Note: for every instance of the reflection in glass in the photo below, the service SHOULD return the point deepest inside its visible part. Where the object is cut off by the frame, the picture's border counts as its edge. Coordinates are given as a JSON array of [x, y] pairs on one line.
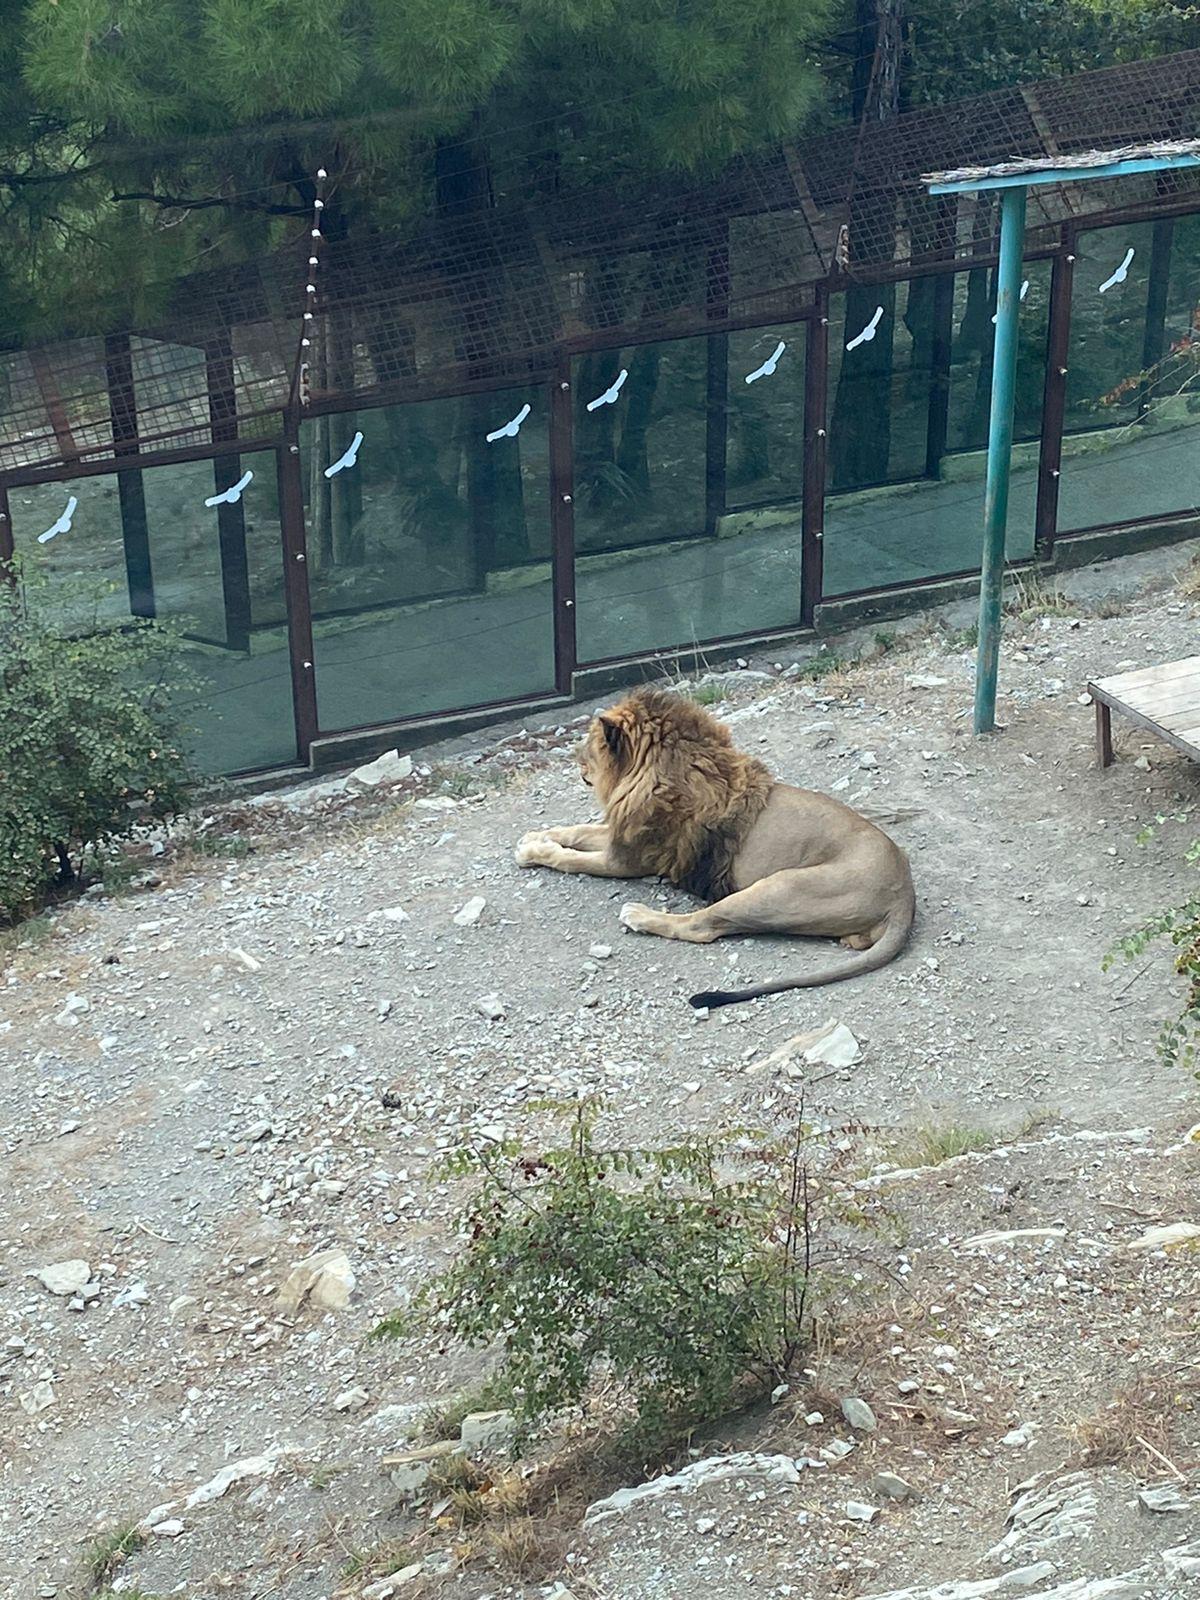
[[1133, 384], [149, 546], [429, 557]]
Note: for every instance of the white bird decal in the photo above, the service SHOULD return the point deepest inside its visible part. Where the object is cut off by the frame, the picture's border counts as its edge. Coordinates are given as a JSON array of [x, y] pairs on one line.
[[63, 525], [511, 429], [868, 332], [609, 397], [768, 366], [1021, 296], [347, 460], [231, 496], [1120, 274]]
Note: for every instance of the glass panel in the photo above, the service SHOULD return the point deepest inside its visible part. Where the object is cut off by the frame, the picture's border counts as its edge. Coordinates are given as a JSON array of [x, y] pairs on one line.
[[1132, 385], [925, 410], [164, 556], [647, 575], [429, 557], [765, 443]]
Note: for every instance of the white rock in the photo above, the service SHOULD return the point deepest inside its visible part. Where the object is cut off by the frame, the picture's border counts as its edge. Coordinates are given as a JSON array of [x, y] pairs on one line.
[[180, 1304], [859, 1511], [245, 959], [384, 1588], [893, 1487], [1019, 1436], [925, 680], [831, 1046], [248, 1467], [1171, 1236], [170, 1529], [390, 767], [487, 1430], [859, 1414], [1183, 1561], [776, 1469], [134, 1294], [814, 1419], [1164, 1497], [76, 1005], [467, 916], [325, 1280], [39, 1398], [410, 1471], [600, 952], [65, 1277], [491, 1007], [351, 1399], [395, 914]]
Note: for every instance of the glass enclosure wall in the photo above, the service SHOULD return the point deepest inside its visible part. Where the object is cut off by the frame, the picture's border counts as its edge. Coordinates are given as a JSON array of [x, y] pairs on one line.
[[143, 543], [682, 435], [429, 556], [909, 394], [1132, 388]]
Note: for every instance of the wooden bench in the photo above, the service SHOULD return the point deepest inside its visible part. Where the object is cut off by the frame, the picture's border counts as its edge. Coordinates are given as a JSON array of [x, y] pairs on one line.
[[1164, 700]]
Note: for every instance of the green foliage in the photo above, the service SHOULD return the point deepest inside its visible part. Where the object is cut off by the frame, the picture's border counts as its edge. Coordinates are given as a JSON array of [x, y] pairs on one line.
[[674, 1278], [89, 743], [1180, 927], [106, 1555]]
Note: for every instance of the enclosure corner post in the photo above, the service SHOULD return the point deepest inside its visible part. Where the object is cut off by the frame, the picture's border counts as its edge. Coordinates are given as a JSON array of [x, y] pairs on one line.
[[296, 590], [562, 523], [999, 461], [7, 573], [1054, 396]]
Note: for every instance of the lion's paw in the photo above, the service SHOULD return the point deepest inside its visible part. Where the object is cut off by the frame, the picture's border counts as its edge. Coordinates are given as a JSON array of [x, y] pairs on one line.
[[637, 918], [531, 849]]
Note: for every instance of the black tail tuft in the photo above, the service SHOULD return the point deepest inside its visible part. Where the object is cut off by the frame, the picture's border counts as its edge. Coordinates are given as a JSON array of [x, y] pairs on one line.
[[712, 998]]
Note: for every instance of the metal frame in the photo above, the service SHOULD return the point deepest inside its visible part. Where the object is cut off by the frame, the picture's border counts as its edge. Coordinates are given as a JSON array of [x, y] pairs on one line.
[[134, 454]]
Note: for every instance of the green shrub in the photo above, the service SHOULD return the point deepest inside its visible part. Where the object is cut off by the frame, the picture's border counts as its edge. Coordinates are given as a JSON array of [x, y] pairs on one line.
[[89, 743], [652, 1266], [1180, 925]]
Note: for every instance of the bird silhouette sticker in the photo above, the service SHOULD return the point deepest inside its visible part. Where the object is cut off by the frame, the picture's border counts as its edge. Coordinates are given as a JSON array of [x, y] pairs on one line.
[[347, 460], [868, 332], [510, 430], [768, 366], [1021, 296], [1119, 275], [63, 525], [231, 496], [609, 397]]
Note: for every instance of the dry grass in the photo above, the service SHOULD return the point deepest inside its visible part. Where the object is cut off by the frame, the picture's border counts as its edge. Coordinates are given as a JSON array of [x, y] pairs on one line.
[[526, 1549], [1189, 580], [1033, 597], [1133, 1430]]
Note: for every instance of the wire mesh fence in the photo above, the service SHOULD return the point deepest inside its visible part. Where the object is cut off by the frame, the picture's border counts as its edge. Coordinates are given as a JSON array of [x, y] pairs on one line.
[[481, 299]]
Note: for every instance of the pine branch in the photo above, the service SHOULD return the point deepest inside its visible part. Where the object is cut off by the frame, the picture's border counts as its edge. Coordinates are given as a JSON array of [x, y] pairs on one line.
[[174, 202]]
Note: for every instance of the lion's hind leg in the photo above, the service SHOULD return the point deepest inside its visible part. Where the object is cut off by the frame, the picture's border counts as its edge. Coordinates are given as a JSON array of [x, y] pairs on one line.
[[815, 901]]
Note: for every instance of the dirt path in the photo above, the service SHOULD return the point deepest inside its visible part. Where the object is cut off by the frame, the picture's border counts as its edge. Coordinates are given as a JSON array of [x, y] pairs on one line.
[[207, 1111]]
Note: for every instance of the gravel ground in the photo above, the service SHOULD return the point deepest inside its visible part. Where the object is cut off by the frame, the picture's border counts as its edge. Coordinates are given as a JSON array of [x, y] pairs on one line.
[[193, 1101]]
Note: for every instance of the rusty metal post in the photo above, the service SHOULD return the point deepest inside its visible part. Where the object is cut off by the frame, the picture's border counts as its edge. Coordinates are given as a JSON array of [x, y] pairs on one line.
[[1054, 396], [816, 399], [562, 523], [295, 585], [131, 491]]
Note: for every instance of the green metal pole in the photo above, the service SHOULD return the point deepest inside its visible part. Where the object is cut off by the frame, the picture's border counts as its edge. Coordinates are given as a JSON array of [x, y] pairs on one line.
[[999, 461]]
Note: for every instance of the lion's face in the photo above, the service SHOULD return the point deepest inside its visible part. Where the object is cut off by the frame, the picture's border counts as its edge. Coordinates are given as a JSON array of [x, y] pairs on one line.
[[595, 760]]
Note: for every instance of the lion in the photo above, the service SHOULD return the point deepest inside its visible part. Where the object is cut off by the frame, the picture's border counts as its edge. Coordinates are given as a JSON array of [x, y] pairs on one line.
[[681, 803]]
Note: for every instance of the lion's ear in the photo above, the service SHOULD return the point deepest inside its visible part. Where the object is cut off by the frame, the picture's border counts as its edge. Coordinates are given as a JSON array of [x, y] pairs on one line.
[[615, 737]]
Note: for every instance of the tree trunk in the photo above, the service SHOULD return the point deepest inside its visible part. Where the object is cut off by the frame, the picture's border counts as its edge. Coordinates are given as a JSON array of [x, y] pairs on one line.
[[640, 388]]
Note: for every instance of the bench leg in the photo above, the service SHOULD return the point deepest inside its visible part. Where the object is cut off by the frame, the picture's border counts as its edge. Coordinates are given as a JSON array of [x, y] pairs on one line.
[[1104, 753]]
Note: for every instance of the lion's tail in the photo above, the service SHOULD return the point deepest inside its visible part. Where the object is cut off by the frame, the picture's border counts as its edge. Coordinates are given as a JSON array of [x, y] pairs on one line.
[[886, 948]]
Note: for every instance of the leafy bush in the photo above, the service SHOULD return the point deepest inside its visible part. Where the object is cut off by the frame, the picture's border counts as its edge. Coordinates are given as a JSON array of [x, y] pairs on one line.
[[650, 1265], [89, 745], [1181, 926]]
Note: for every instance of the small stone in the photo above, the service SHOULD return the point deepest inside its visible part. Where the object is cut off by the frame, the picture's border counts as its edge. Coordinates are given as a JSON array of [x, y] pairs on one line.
[[390, 767], [908, 1386], [1164, 1497], [868, 760], [134, 1294], [706, 1524], [1142, 763], [65, 1277], [1019, 1436], [395, 914], [814, 1419], [779, 1391], [467, 916], [600, 952], [410, 1471], [892, 1487], [491, 1007], [859, 1511], [170, 1529], [326, 1280], [251, 963], [385, 1588], [859, 1414], [837, 1450], [924, 680], [39, 1398], [487, 1430], [71, 1012], [180, 1304], [351, 1399]]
